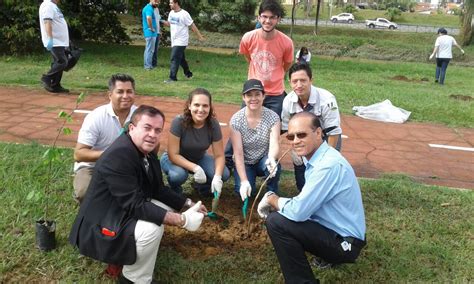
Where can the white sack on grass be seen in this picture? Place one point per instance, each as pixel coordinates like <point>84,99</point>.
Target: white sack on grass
<point>383,111</point>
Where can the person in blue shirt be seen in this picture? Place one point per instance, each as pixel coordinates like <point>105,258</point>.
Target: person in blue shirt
<point>326,218</point>
<point>151,31</point>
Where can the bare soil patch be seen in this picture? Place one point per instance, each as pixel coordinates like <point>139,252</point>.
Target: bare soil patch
<point>405,79</point>
<point>218,237</point>
<point>461,97</point>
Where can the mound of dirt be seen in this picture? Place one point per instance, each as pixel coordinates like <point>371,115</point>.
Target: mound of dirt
<point>225,235</point>
<point>461,97</point>
<point>400,78</point>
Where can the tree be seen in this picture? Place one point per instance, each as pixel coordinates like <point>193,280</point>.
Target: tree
<point>392,13</point>
<point>315,31</point>
<point>467,27</point>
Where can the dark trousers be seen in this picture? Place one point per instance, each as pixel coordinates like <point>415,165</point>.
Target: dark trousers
<point>274,103</point>
<point>178,59</point>
<point>53,77</point>
<point>299,170</point>
<point>441,66</point>
<point>292,239</point>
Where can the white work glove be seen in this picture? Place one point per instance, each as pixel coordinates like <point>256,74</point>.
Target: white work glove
<point>431,56</point>
<point>199,175</point>
<point>216,185</point>
<point>245,189</point>
<point>193,218</point>
<point>462,51</point>
<point>264,208</point>
<point>297,160</point>
<point>271,166</point>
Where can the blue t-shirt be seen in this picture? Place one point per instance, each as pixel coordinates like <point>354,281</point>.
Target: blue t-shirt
<point>148,12</point>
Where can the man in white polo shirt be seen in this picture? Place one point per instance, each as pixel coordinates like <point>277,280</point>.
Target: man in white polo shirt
<point>55,37</point>
<point>179,22</point>
<point>100,128</point>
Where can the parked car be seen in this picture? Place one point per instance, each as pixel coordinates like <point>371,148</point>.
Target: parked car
<point>344,17</point>
<point>381,23</point>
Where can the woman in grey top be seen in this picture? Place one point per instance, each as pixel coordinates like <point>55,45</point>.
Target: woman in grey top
<point>255,132</point>
<point>190,136</point>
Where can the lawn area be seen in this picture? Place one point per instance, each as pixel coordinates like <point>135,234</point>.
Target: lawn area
<point>354,81</point>
<point>415,233</point>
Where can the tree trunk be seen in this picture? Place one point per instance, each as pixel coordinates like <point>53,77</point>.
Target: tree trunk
<point>467,35</point>
<point>309,7</point>
<point>317,18</point>
<point>293,8</point>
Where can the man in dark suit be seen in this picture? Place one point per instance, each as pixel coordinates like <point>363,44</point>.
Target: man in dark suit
<point>121,218</point>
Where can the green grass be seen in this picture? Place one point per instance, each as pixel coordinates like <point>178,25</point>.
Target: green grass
<point>415,233</point>
<point>354,81</point>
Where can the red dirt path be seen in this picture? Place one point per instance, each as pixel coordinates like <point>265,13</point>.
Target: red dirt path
<point>371,147</point>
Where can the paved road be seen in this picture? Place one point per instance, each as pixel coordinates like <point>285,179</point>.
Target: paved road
<point>371,147</point>
<point>361,25</point>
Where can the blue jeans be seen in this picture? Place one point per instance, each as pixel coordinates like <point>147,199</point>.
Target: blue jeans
<point>178,59</point>
<point>299,170</point>
<point>154,60</point>
<point>441,66</point>
<point>177,175</point>
<point>150,52</point>
<point>258,169</point>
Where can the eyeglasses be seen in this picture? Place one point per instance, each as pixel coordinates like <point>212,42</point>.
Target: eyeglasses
<point>265,17</point>
<point>300,135</point>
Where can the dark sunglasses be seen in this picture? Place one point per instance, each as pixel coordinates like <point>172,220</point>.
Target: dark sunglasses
<point>300,135</point>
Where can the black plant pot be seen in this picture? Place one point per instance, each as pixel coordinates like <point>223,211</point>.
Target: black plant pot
<point>46,235</point>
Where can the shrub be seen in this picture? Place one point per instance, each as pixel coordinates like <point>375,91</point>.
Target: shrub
<point>90,20</point>
<point>227,16</point>
<point>350,9</point>
<point>392,13</point>
<point>19,28</point>
<point>95,20</point>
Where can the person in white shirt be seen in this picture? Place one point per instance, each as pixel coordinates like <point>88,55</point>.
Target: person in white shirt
<point>100,128</point>
<point>179,22</point>
<point>303,55</point>
<point>443,53</point>
<point>306,97</point>
<point>55,38</point>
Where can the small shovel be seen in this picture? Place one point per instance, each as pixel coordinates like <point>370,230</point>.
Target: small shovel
<point>215,201</point>
<point>220,220</point>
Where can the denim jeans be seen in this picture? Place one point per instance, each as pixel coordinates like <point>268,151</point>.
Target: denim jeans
<point>154,61</point>
<point>299,170</point>
<point>55,74</point>
<point>178,59</point>
<point>441,66</point>
<point>258,169</point>
<point>150,52</point>
<point>177,175</point>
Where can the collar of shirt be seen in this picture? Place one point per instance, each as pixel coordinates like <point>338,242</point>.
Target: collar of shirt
<point>318,155</point>
<point>313,100</point>
<point>110,111</point>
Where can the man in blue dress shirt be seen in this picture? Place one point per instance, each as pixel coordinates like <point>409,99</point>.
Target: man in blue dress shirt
<point>326,218</point>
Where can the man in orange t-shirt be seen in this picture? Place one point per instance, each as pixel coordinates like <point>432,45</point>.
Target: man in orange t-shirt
<point>269,53</point>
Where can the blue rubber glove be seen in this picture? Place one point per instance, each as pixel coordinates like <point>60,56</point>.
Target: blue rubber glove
<point>49,46</point>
